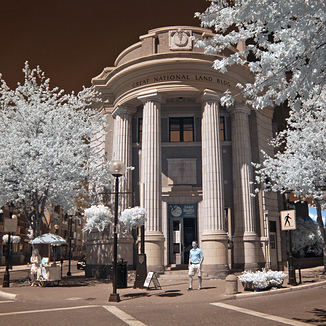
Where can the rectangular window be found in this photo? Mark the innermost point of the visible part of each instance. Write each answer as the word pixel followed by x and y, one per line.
pixel 272 226
pixel 140 130
pixel 222 128
pixel 181 129
pixel 272 240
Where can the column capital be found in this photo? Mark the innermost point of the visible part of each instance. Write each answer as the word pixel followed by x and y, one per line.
pixel 123 109
pixel 151 96
pixel 209 95
pixel 239 108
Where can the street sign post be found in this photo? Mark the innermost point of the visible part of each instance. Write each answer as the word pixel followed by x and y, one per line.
pixel 288 223
pixel 288 220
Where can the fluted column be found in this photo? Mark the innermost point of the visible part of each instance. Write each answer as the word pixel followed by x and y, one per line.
pixel 122 151
pixel 151 178
pixel 245 238
pixel 214 237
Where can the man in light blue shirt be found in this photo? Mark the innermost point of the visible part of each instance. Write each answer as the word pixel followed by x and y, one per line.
pixel 196 258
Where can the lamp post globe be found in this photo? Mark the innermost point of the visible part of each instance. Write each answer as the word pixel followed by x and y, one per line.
pixel 287 195
pixel 117 168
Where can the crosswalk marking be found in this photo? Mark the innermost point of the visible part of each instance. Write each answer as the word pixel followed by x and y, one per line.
pixel 123 316
pixel 44 310
pixel 260 314
pixel 112 309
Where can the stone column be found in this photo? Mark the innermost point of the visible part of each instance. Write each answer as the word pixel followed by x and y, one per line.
pixel 244 238
pixel 122 151
pixel 214 237
pixel 151 178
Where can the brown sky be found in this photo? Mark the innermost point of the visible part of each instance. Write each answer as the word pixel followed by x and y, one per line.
pixel 73 40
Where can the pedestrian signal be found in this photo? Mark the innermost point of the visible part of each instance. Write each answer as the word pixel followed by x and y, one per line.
pixel 288 220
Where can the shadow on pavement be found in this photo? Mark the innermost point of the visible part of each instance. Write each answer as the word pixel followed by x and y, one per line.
pixel 320 318
pixel 68 281
pixel 169 294
pixel 129 296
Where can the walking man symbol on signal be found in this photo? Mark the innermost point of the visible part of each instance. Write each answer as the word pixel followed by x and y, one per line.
pixel 287 220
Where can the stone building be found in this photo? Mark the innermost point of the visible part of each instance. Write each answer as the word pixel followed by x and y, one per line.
pixel 192 156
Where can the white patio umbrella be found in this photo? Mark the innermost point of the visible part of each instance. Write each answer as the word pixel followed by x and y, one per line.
pixel 48 238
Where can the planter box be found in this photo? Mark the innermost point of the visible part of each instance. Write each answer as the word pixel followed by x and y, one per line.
pixel 17 259
pixel 249 286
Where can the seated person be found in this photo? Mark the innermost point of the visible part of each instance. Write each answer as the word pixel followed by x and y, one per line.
pixel 36 265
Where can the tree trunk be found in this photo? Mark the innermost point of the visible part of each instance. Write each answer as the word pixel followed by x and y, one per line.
pixel 322 230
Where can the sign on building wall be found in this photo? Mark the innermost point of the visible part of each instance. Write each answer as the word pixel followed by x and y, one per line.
pixel 288 220
pixel 10 225
pixel 176 237
pixel 183 210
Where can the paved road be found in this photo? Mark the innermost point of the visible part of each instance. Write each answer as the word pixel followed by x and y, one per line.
pixel 77 301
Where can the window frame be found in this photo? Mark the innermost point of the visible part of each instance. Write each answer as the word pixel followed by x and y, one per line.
pixel 182 129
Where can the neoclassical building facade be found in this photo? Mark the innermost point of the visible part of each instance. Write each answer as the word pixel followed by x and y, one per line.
pixel 192 157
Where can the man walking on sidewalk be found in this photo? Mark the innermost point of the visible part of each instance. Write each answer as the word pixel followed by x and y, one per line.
pixel 196 258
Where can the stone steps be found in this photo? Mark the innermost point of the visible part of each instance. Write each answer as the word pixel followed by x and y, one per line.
pixel 174 274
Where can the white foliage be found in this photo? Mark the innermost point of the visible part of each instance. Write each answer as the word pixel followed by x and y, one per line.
pixel 263 279
pixel 98 217
pixel 286 38
pixel 47 151
pixel 30 233
pixel 13 238
pixel 133 217
pixel 301 164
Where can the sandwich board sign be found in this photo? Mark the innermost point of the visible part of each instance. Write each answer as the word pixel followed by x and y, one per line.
pixel 288 220
pixel 151 277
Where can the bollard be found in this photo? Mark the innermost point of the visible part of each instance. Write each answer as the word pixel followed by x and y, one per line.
pixel 231 285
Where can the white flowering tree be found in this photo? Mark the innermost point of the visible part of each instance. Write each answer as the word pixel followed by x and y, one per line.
pixel 285 47
pixel 301 166
pixel 283 43
pixel 47 151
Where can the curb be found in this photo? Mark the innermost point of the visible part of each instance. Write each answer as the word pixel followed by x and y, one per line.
pixel 271 292
pixel 9 296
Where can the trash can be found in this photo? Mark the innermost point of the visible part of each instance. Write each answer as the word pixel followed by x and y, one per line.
pixel 122 274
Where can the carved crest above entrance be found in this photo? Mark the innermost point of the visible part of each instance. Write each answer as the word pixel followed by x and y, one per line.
pixel 180 39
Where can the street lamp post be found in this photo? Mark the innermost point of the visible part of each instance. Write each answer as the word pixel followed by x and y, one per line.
pixel 292 280
pixel 70 236
pixel 58 254
pixel 6 275
pixel 117 169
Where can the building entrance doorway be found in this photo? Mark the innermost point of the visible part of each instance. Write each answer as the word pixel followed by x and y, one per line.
pixel 273 245
pixel 183 230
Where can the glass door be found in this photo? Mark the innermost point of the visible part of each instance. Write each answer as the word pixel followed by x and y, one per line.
pixel 190 235
pixel 176 241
